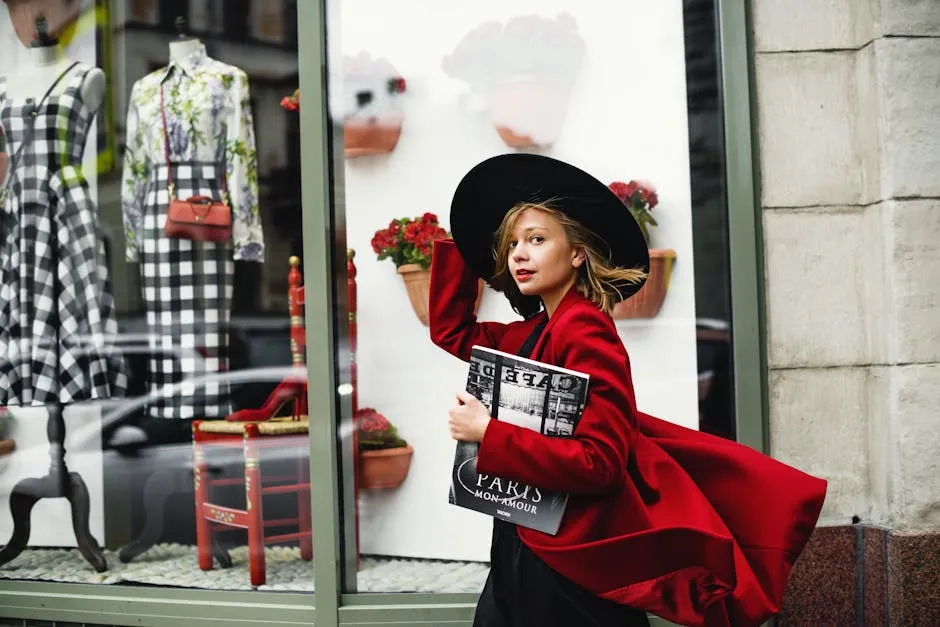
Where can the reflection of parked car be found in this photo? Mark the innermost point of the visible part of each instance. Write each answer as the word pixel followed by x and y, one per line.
pixel 130 448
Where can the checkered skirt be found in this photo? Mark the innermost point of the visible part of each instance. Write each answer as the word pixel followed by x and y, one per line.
pixel 187 290
pixel 57 325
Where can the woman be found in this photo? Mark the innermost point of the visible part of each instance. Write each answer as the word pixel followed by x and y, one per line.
pixel 644 529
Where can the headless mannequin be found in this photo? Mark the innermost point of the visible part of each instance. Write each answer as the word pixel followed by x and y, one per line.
pixel 184 45
pixel 166 482
pixel 48 63
pixel 59 482
pixel 181 49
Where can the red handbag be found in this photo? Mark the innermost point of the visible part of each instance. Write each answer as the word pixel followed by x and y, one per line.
pixel 197 218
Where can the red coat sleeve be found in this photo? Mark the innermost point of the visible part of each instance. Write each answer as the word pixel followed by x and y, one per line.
pixel 454 326
pixel 594 459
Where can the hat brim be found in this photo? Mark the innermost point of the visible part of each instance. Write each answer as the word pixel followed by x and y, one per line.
pixel 493 187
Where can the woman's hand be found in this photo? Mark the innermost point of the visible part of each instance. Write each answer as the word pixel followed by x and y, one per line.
pixel 469 419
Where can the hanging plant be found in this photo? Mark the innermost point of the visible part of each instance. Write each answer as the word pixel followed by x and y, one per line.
pixel 408 243
pixel 641 198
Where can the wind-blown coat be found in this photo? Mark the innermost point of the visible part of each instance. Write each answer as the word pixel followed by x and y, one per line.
pixel 691 527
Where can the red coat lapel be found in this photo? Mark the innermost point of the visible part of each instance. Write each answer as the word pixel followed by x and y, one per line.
pixel 571 298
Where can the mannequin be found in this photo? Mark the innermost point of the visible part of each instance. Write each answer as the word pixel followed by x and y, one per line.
pixel 48 63
pixel 185 45
pixel 187 285
pixel 56 328
pixel 36 211
pixel 189 127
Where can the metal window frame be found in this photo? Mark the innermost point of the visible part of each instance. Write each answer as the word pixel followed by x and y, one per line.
pixel 323 236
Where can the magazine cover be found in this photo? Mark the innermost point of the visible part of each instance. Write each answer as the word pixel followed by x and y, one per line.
pixel 529 394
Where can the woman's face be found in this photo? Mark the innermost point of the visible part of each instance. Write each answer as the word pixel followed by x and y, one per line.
pixel 541 260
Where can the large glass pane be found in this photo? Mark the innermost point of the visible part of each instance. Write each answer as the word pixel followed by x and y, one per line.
pixel 149 307
pixel 420 91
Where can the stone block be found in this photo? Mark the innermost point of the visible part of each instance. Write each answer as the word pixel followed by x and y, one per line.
pixel 913 578
pixel 914 269
pixel 917 482
pixel 807 123
pixel 825 294
pixel 909 78
pixel 874 575
pixel 819 424
pixel 821 587
pixel 907 17
pixel 869 135
pixel 782 25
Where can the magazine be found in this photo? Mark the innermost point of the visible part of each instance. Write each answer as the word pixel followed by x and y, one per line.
pixel 530 394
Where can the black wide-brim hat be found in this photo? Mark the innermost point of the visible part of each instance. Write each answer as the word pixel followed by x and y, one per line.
pixel 493 187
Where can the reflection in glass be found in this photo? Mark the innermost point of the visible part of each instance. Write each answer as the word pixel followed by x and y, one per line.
pixel 134 336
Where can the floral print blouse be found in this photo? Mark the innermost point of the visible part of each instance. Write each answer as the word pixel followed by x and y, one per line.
pixel 207 112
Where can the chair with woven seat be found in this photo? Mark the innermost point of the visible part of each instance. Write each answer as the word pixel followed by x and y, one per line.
pixel 254 432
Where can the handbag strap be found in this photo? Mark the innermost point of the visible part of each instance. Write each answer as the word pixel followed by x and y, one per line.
pixel 28 136
pixel 529 345
pixel 166 151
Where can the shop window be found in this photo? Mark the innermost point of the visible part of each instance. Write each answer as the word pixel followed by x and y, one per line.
pixel 629 92
pixel 125 337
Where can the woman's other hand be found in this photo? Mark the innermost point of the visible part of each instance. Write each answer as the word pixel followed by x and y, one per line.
pixel 469 419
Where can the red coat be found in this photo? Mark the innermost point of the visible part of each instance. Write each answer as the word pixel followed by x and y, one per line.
pixel 688 526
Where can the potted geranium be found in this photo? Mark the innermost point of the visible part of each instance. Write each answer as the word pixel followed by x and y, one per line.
pixel 384 457
pixel 368 104
pixel 641 198
pixel 407 242
pixel 525 69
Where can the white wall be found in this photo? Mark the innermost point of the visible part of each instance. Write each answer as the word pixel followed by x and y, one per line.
pixel 627 119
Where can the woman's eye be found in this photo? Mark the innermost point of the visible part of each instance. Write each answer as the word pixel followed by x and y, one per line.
pixel 537 239
pixel 513 243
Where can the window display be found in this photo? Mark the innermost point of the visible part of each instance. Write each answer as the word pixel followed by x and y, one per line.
pixel 555 79
pixel 146 332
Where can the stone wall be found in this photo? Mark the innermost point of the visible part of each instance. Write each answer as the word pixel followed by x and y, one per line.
pixel 848 95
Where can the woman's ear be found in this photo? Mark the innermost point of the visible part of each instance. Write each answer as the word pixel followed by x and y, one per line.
pixel 578 259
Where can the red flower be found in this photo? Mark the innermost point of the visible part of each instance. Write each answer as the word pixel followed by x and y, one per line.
pixel 396 85
pixel 408 240
pixel 292 102
pixel 640 197
pixel 619 189
pixel 371 421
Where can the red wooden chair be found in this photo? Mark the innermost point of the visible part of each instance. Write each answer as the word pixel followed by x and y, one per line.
pixel 256 430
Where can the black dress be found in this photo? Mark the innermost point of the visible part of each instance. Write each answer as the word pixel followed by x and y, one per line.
pixel 522 591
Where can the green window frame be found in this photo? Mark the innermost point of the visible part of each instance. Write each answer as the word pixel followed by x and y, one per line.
pixel 324 265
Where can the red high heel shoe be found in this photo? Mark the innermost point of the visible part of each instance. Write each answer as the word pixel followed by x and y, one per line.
pixel 290 389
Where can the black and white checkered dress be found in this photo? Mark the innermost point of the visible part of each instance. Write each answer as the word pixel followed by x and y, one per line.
pixel 57 325
pixel 187 289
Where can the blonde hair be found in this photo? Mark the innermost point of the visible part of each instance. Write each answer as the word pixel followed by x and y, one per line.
pixel 597 279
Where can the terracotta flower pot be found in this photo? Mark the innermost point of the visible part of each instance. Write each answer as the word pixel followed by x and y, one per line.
pixel 418 283
pixel 383 469
pixel 647 302
pixel 370 137
pixel 529 112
